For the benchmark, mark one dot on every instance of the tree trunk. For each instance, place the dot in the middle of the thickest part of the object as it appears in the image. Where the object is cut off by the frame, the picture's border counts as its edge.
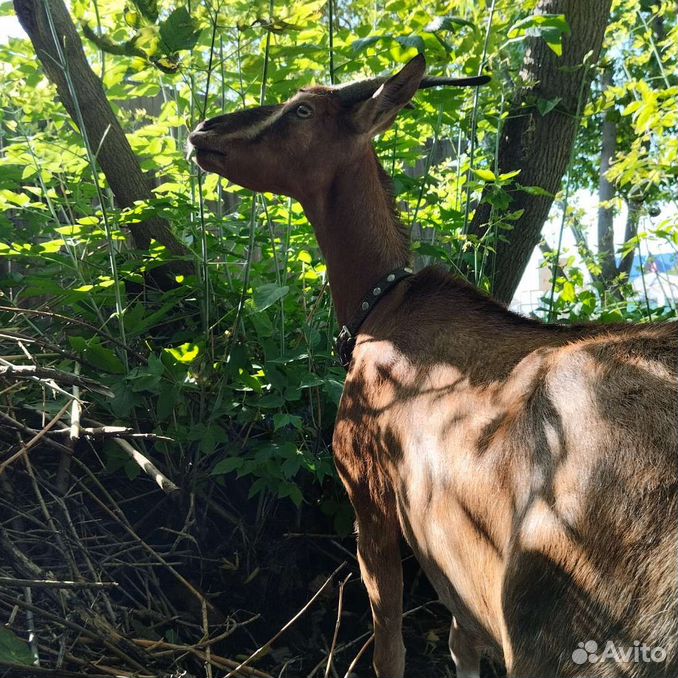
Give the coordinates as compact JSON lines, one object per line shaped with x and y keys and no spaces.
{"x":101,"y":127}
{"x":540,"y":146}
{"x":606,"y":248}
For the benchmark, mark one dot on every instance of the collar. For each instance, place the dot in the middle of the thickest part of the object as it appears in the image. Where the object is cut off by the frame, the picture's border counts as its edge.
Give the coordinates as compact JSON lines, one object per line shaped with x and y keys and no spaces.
{"x":347,"y":337}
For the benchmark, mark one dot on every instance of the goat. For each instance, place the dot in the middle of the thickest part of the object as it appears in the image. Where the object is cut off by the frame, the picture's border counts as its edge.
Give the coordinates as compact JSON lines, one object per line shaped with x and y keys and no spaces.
{"x":532,"y":468}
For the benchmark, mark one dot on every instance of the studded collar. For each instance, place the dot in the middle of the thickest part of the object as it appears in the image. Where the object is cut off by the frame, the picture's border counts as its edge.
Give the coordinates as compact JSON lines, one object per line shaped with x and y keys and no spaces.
{"x":347,"y":335}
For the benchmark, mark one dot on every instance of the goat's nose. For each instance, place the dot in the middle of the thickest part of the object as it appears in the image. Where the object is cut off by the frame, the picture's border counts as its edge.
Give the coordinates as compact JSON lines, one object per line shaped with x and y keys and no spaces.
{"x":197,"y":139}
{"x":199,"y":131}
{"x":194,"y":135}
{"x":202,"y":126}
{"x":210,"y":124}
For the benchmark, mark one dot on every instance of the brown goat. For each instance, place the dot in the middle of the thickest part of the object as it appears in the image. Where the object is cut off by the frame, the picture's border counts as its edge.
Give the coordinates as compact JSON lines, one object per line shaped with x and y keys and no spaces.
{"x":532,"y":468}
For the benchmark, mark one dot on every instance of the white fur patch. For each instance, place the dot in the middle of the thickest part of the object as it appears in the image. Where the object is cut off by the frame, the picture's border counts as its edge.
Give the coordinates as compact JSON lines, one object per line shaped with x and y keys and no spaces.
{"x":252,"y":131}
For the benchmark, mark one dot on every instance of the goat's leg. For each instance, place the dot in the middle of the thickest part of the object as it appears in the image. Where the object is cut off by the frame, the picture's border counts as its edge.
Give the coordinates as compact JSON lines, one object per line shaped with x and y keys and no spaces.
{"x":464,"y":652}
{"x":381,"y":569}
{"x":379,"y":534}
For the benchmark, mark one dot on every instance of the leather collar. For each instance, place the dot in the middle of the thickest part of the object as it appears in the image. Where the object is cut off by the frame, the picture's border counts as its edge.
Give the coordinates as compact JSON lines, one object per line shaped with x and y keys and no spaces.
{"x":347,"y":336}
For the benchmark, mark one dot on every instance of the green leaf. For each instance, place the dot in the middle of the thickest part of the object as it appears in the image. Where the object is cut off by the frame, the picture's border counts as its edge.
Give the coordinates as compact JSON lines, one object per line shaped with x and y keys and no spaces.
{"x":28,"y":172}
{"x":186,"y":353}
{"x":436,"y":251}
{"x":411,"y":42}
{"x":149,"y":8}
{"x":6,"y":8}
{"x":18,"y":199}
{"x":167,"y":400}
{"x":140,"y":380}
{"x":535,"y":190}
{"x":212,"y":437}
{"x":258,"y":486}
{"x":485,"y":174}
{"x":569,"y":294}
{"x":290,"y":466}
{"x":333,"y":388}
{"x":282,"y":419}
{"x":308,"y":380}
{"x":131,"y":469}
{"x":448,"y":23}
{"x":498,"y":197}
{"x":13,"y":650}
{"x":124,"y":400}
{"x":132,"y":18}
{"x":99,"y":355}
{"x":550,"y":27}
{"x":266,"y":295}
{"x":509,"y":175}
{"x":227,"y":465}
{"x":362,"y":44}
{"x":291,"y":490}
{"x":545,"y":106}
{"x":556,"y":22}
{"x":178,"y":31}
{"x":272,"y":400}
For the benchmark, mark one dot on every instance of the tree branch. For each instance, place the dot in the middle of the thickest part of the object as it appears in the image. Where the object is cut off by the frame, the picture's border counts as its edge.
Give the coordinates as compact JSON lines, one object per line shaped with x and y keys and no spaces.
{"x":630,"y":232}
{"x":606,"y":189}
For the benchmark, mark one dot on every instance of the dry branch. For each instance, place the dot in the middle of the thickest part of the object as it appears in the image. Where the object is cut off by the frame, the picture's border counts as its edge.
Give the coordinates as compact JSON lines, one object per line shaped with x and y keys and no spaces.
{"x":50,"y":374}
{"x":148,"y":467}
{"x":13,"y":423}
{"x":106,"y":432}
{"x":12,"y":582}
{"x":21,"y":671}
{"x":215,"y":660}
{"x":337,"y":626}
{"x":112,"y":647}
{"x":34,"y":440}
{"x":76,"y":321}
{"x":266,"y":646}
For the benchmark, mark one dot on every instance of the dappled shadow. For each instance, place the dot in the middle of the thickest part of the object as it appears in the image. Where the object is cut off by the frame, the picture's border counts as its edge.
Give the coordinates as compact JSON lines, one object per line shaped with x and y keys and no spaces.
{"x":525,"y":459}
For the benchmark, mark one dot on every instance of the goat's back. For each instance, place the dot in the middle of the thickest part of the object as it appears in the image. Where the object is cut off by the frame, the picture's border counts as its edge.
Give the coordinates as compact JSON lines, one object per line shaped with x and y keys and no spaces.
{"x":534,"y":469}
{"x":594,"y":556}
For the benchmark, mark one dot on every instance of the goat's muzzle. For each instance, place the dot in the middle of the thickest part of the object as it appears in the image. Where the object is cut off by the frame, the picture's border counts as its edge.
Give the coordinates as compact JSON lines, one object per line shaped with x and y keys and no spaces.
{"x":205,"y":140}
{"x":207,"y":146}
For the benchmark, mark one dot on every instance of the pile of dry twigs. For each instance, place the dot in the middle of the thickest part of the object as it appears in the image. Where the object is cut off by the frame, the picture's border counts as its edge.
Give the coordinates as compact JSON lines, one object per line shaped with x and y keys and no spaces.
{"x":147,"y":569}
{"x":104,"y":574}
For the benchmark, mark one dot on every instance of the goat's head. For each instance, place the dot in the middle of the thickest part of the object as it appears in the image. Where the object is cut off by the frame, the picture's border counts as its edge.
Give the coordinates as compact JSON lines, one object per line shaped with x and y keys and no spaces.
{"x":298,"y":147}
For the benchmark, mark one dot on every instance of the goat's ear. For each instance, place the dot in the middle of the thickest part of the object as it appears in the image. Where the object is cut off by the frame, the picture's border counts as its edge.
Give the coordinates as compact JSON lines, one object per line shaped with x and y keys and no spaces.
{"x":378,"y":113}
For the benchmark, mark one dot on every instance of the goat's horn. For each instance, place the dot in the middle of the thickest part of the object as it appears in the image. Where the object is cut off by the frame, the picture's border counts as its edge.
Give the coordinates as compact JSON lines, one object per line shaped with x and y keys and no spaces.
{"x":473,"y":81}
{"x":364,"y":89}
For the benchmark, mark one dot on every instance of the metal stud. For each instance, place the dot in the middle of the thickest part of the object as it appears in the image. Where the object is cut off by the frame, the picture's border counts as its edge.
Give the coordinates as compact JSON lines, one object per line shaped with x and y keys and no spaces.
{"x":390,"y":278}
{"x":376,"y":291}
{"x":365,"y":306}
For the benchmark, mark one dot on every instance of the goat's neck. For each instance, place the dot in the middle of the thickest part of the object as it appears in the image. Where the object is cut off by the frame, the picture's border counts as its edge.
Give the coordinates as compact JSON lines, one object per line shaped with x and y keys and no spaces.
{"x":358,"y":231}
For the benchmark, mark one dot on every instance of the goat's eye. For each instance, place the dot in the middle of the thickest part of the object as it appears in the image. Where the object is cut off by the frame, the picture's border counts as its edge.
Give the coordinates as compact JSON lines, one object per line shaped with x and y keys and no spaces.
{"x":304,"y":111}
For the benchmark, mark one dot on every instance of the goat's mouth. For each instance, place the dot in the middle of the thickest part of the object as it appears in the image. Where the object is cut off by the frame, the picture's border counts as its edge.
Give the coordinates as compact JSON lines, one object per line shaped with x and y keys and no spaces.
{"x":203,"y":150}
{"x":204,"y":143}
{"x":210,"y":161}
